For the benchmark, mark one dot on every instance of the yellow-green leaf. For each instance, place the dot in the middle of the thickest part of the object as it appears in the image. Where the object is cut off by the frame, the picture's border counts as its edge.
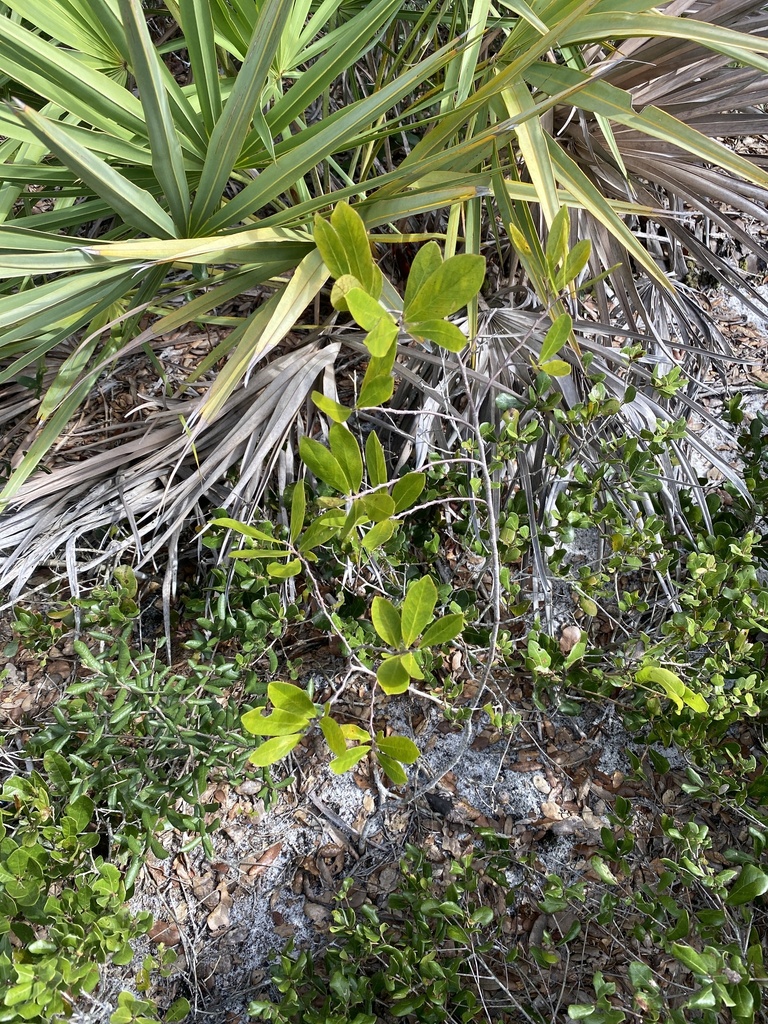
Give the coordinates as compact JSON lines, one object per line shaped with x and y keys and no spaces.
{"x":291,"y":698}
{"x":399,"y":747}
{"x":375,"y":462}
{"x":348,"y":760}
{"x":418,"y":608}
{"x":333,"y":410}
{"x":386,"y":621}
{"x":334,"y":737}
{"x":279,"y":723}
{"x":392,"y":676}
{"x":273,"y":750}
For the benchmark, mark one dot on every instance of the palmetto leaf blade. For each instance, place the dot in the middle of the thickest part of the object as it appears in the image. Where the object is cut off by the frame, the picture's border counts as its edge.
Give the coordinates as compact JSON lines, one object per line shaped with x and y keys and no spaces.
{"x":135,"y":205}
{"x":150,"y":74}
{"x":242,"y":105}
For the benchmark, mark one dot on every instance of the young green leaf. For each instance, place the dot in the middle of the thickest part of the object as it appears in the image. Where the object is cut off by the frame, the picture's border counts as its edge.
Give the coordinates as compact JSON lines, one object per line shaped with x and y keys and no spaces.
{"x":392,"y":676}
{"x":378,"y":506}
{"x":333,"y":410}
{"x":442,"y":332}
{"x":378,"y":535}
{"x":555,"y":338}
{"x":279,"y":571}
{"x":393,"y":769}
{"x":557,"y":242}
{"x":427,"y":260}
{"x":353,"y":237}
{"x":331,"y":247}
{"x":334,"y":737}
{"x":674,"y":688}
{"x":340,"y":290}
{"x":378,"y":383}
{"x":556,"y":368}
{"x":272,"y":750}
{"x":455,"y":283}
{"x":399,"y":747}
{"x":321,"y":530}
{"x":575,"y":262}
{"x":279,"y":723}
{"x":247,"y":531}
{"x":379,"y":341}
{"x":366,"y":310}
{"x":298,"y":510}
{"x":443,"y":630}
{"x":346,"y":451}
{"x":418,"y":608}
{"x":407,"y":489}
{"x":348,"y":759}
{"x":411,"y":665}
{"x":323,"y":464}
{"x":386,"y":622}
{"x":375,"y":463}
{"x":245,"y":553}
{"x":291,"y":698}
{"x":354,"y":733}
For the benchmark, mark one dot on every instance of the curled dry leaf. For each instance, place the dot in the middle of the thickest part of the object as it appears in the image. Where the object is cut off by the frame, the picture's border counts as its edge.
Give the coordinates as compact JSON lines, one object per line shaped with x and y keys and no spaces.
{"x":166,"y":932}
{"x":219,"y":918}
{"x":569,"y":637}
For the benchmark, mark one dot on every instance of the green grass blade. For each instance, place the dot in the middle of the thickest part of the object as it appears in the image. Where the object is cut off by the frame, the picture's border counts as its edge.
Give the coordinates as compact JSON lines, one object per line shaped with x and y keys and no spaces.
{"x":167,"y":161}
{"x":78,"y":29}
{"x":532,"y":140}
{"x":197,"y":25}
{"x":135,"y":205}
{"x":51,"y":72}
{"x":238,"y":113}
{"x":305,"y":153}
{"x":359,"y":35}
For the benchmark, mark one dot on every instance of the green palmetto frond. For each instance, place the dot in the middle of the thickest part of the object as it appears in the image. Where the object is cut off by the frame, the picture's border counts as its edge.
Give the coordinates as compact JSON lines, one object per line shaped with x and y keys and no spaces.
{"x":157,"y":202}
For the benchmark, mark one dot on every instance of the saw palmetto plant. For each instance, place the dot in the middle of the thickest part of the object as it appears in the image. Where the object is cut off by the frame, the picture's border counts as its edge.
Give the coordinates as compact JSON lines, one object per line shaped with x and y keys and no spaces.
{"x":164,"y":309}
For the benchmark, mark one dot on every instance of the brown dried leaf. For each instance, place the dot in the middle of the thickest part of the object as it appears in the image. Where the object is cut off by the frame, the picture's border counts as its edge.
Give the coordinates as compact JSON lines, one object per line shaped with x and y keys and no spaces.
{"x":166,"y":932}
{"x":219,"y":918}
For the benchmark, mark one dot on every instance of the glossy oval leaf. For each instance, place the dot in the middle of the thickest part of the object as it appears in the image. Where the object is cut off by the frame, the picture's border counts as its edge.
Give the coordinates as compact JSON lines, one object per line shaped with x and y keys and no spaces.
{"x":346,"y":451}
{"x":279,"y":723}
{"x":375,"y":463}
{"x":272,"y":750}
{"x":556,"y":337}
{"x":399,"y":747}
{"x":751,"y":883}
{"x":284,"y":571}
{"x":443,"y":631}
{"x":348,"y":759}
{"x":407,"y":490}
{"x":334,"y":737}
{"x":455,"y":283}
{"x":441,"y":332}
{"x":291,"y":698}
{"x":393,"y":769}
{"x":333,"y":410}
{"x":378,"y":535}
{"x":378,"y":506}
{"x":392,"y":676}
{"x":386,"y":622}
{"x":418,"y":608}
{"x":319,"y":460}
{"x":379,"y":341}
{"x":427,"y":260}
